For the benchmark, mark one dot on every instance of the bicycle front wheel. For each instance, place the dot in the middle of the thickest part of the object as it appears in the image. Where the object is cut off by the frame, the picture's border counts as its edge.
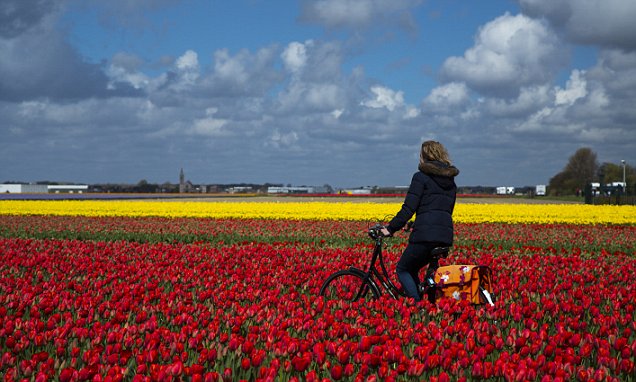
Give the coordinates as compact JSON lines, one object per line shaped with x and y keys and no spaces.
{"x":347,"y":285}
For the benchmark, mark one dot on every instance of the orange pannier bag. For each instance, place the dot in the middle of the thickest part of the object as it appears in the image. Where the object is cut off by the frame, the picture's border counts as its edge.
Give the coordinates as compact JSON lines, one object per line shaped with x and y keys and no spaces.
{"x":465,"y":282}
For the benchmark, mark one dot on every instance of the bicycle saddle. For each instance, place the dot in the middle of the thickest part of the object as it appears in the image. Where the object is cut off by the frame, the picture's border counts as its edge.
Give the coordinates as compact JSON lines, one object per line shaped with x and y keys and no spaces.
{"x":441,"y":252}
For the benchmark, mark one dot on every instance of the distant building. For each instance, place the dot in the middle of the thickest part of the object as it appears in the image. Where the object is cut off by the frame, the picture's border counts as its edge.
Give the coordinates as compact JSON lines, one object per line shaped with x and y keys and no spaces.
{"x":240,"y":189}
{"x":68,"y":188}
{"x":290,"y":190}
{"x":505,"y":190}
{"x":540,"y":190}
{"x":24,"y":188}
{"x":43,"y":188}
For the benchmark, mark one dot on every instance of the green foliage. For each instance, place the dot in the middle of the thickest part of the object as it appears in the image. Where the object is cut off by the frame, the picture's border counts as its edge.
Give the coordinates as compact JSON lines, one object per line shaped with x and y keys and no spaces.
{"x":580,"y":170}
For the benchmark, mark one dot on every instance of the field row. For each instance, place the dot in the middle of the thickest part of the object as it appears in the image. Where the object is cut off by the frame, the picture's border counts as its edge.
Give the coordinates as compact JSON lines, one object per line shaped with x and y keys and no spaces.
{"x":593,"y":239}
{"x":231,"y":299}
{"x":464,"y":213}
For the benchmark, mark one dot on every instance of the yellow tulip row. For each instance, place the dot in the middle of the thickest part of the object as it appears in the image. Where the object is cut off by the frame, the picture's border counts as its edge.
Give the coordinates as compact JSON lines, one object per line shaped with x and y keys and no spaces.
{"x":464,"y":212}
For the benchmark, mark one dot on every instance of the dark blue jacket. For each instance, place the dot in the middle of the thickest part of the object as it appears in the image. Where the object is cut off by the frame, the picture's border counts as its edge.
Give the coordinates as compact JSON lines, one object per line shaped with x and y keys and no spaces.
{"x":431,"y":197}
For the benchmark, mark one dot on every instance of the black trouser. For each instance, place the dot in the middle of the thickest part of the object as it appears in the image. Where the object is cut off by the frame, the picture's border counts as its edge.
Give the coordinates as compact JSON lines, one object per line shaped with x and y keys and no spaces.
{"x":414,"y":258}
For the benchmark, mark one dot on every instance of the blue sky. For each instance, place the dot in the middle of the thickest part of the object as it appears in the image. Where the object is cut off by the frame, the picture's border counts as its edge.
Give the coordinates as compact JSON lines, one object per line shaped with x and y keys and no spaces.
{"x":338,"y":92}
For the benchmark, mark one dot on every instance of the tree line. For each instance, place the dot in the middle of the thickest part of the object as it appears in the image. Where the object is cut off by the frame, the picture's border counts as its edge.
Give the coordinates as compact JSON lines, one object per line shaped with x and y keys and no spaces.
{"x":583,"y":168}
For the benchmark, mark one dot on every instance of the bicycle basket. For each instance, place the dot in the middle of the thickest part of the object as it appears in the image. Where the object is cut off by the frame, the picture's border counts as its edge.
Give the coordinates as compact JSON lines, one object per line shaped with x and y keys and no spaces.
{"x":465,"y":282}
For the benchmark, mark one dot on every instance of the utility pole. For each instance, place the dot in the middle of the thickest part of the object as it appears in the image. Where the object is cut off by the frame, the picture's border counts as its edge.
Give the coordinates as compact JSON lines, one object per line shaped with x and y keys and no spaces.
{"x":624,"y":184}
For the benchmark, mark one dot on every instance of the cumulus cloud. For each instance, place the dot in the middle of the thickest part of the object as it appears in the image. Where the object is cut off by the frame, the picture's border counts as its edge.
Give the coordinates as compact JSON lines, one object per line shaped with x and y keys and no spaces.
{"x":295,"y":56}
{"x":529,"y":100}
{"x":358,"y":14}
{"x":311,"y":97}
{"x":19,"y":16}
{"x":234,"y":115}
{"x":210,"y":126}
{"x":509,"y":52}
{"x":280,"y":140}
{"x":617,"y":71}
{"x":575,"y":89}
{"x":448,"y":95}
{"x":188,"y":66}
{"x":126,"y":68}
{"x":38,"y":62}
{"x":384,"y":97}
{"x":324,"y":61}
{"x":244,"y":72}
{"x":605,"y":23}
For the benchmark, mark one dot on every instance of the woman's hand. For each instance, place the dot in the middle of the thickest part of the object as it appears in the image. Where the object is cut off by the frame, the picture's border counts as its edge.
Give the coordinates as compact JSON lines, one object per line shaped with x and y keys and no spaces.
{"x":385,"y":232}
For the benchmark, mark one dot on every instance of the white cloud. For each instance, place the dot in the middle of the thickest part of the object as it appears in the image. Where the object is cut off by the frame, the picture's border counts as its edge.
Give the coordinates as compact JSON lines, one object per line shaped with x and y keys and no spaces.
{"x":188,"y":66}
{"x":209,"y":127}
{"x":324,"y":62}
{"x":616,"y":70}
{"x":337,"y":113}
{"x":230,"y":68}
{"x":189,"y":61}
{"x":530,"y":98}
{"x":385,"y":97}
{"x":448,"y":95}
{"x":411,"y":112}
{"x":355,"y":13}
{"x":575,"y":89}
{"x":242,"y":74}
{"x":606,"y":23}
{"x":597,"y":101}
{"x":509,"y":52}
{"x":572,"y":110}
{"x":316,"y":97}
{"x":295,"y":56}
{"x":126,"y":67}
{"x":310,"y":103}
{"x":280,"y":140}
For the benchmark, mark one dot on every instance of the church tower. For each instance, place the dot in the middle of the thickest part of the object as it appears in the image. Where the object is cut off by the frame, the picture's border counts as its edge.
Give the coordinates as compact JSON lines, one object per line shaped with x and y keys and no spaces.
{"x":181,"y":182}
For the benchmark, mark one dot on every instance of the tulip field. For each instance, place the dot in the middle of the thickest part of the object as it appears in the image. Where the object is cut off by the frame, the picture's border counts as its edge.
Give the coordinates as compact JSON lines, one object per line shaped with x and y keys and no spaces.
{"x":228,"y":291}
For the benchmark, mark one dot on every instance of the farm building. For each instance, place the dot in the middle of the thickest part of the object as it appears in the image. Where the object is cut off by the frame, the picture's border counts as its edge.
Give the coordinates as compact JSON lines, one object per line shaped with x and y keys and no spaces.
{"x":43,"y":188}
{"x":24,"y":188}
{"x":68,"y":188}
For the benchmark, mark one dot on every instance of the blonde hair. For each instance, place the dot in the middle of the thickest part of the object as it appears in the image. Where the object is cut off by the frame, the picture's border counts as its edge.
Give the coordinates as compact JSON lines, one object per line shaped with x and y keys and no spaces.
{"x":434,"y":151}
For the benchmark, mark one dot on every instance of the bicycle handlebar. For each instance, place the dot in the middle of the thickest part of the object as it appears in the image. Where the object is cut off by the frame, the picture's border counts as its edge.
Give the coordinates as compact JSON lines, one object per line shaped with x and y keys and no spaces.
{"x":374,"y":232}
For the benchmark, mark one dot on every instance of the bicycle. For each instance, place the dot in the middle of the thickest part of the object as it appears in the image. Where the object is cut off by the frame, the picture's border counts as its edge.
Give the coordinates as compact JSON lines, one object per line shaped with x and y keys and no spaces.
{"x":353,"y":283}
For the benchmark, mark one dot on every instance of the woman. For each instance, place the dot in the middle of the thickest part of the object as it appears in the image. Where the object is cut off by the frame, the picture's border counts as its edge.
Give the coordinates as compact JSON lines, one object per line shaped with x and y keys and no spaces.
{"x":431,"y":197}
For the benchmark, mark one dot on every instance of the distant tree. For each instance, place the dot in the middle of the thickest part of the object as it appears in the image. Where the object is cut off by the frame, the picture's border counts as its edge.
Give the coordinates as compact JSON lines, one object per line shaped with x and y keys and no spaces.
{"x":145,"y":187}
{"x":169,"y":187}
{"x":614,"y":173}
{"x":580,"y":170}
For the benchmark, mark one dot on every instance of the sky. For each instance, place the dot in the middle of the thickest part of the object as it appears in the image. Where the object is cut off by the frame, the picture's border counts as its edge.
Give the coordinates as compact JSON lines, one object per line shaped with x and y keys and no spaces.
{"x":312,"y":92}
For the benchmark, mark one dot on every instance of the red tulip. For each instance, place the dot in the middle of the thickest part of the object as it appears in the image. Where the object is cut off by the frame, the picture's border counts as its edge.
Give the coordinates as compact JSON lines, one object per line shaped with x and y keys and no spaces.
{"x":68,"y":374}
{"x":336,"y":372}
{"x":300,"y":363}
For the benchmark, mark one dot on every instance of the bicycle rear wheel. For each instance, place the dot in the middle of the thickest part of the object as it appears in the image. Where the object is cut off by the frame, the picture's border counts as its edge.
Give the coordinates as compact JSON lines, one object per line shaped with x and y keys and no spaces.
{"x":347,"y":285}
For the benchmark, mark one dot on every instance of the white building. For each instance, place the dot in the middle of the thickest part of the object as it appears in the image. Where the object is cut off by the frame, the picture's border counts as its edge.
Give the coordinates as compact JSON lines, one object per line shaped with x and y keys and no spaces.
{"x":43,"y":188}
{"x":68,"y":188}
{"x":539,"y":190}
{"x":24,"y":188}
{"x":290,"y":190}
{"x":505,"y":190}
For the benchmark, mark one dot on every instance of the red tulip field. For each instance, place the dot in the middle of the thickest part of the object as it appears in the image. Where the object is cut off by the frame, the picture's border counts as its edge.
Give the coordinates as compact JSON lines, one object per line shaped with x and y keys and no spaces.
{"x":161,"y":299}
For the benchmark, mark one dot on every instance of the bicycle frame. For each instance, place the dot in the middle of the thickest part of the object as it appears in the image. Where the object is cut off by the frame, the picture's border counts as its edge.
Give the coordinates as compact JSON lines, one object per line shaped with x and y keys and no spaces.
{"x":374,"y":273}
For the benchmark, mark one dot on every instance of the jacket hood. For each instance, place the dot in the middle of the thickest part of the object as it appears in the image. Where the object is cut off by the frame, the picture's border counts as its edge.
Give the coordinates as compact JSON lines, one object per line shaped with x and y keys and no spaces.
{"x":441,"y":173}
